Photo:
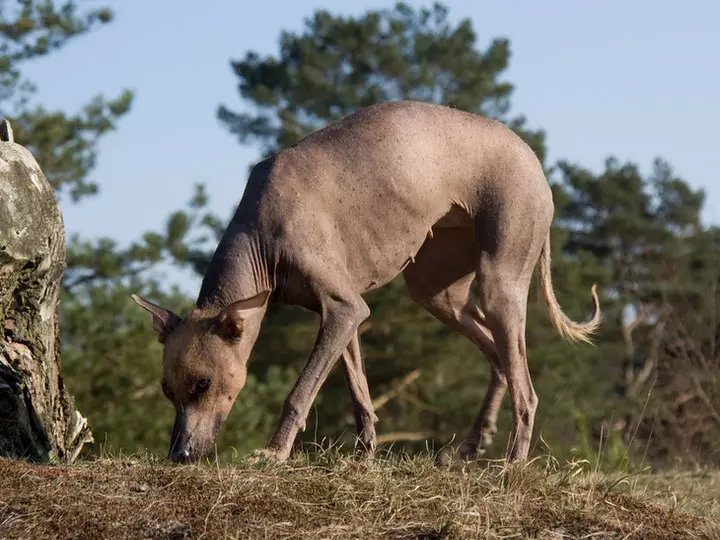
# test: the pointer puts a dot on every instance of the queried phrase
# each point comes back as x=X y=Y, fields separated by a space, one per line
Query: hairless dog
x=443 y=196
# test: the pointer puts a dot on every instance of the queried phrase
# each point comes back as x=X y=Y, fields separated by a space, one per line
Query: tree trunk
x=38 y=419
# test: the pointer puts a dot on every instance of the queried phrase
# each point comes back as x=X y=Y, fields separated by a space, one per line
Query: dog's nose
x=180 y=455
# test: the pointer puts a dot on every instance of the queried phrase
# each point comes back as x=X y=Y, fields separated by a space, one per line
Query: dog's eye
x=202 y=386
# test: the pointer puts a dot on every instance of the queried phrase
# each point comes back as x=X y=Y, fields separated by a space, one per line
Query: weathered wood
x=38 y=419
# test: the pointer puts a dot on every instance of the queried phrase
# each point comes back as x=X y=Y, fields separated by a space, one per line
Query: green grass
x=329 y=496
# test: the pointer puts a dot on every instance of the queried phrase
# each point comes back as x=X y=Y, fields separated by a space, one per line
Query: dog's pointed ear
x=164 y=320
x=232 y=318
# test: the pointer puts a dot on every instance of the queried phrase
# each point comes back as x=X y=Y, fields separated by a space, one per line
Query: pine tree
x=660 y=331
x=64 y=144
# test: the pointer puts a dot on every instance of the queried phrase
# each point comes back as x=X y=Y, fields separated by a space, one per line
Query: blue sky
x=632 y=79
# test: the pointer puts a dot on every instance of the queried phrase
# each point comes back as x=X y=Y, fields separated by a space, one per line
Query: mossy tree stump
x=38 y=420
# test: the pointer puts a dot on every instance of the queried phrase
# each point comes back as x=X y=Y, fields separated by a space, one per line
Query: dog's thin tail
x=567 y=328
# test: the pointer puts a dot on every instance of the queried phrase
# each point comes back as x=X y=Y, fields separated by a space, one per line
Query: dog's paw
x=265 y=455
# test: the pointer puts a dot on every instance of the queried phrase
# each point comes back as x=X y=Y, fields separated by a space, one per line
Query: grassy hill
x=331 y=497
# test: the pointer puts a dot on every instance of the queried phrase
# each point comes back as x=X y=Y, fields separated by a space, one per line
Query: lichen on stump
x=38 y=419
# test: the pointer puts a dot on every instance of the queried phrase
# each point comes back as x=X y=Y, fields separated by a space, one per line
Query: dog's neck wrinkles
x=241 y=268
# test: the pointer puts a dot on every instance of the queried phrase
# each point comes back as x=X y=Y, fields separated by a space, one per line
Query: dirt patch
x=400 y=500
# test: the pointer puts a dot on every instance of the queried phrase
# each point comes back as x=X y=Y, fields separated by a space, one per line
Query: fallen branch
x=407 y=380
x=383 y=399
x=404 y=436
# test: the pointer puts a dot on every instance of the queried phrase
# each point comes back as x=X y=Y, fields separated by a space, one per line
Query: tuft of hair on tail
x=567 y=328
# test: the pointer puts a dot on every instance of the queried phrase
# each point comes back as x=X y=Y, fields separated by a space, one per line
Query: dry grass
x=332 y=498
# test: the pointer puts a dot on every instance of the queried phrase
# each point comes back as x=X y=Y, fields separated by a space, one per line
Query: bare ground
x=338 y=498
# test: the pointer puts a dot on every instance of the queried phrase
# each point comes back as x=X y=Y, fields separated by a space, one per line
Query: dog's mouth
x=187 y=448
x=190 y=449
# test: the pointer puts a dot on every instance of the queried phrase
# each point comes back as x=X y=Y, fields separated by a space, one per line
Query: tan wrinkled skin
x=444 y=196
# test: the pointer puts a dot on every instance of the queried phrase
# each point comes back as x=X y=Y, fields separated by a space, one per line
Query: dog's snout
x=180 y=455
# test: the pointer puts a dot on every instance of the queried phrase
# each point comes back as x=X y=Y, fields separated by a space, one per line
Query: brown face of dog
x=204 y=368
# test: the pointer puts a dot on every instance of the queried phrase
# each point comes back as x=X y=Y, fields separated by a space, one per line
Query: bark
x=38 y=419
